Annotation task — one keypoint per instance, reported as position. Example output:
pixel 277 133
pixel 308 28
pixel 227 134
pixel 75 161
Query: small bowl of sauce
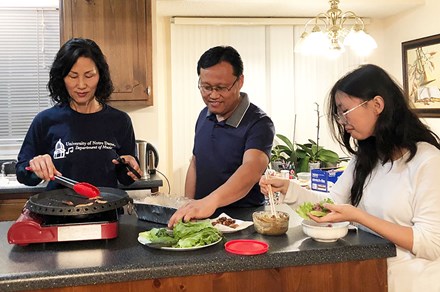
pixel 268 224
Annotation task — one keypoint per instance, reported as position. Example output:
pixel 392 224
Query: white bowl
pixel 325 232
pixel 304 176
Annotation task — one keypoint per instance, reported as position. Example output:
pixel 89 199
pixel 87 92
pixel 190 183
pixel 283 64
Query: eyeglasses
pixel 342 117
pixel 207 89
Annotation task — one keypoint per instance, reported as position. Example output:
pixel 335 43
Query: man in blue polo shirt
pixel 232 143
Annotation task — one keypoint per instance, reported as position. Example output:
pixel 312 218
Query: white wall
pixel 418 23
pixel 154 123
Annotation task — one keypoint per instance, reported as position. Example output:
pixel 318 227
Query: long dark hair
pixel 397 127
pixel 63 63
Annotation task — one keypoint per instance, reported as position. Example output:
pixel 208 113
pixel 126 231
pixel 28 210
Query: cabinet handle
pixel 148 90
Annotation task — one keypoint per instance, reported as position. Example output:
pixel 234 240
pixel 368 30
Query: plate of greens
pixel 184 236
pixel 152 245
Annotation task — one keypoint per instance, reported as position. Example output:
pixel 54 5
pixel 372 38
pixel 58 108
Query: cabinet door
pixel 122 29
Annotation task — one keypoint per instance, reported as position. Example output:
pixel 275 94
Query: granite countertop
pixel 49 265
pixel 16 188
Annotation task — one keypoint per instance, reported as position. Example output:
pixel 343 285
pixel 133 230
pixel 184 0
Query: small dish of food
pixel 268 224
pixel 325 232
pixel 227 224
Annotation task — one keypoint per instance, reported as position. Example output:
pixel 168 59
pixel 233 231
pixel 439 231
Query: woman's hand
pixel 339 213
pixel 279 184
pixel 130 160
pixel 43 167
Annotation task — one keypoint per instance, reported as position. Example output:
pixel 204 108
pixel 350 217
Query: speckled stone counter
pixel 19 191
pixel 124 259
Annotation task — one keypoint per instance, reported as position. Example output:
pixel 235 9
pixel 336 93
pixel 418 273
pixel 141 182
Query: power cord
pixel 168 182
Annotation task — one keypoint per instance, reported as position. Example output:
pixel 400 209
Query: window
pixel 29 40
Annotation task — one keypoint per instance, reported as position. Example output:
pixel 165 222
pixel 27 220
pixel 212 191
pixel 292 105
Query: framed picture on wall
pixel 421 74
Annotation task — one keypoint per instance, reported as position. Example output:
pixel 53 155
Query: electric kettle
pixel 148 158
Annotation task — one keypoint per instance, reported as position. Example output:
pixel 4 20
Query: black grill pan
pixel 52 202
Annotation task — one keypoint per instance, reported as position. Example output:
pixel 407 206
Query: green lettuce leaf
pixel 316 209
pixel 183 229
pixel 203 237
pixel 159 236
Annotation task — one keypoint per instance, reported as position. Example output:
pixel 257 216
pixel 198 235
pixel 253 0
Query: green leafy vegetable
pixel 184 235
pixel 159 236
pixel 316 209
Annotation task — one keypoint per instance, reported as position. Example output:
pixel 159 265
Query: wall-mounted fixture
pixel 329 33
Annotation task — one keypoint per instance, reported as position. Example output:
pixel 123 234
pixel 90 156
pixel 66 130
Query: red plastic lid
pixel 246 246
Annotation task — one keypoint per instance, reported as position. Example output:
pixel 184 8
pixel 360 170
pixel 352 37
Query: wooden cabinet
pixel 368 275
pixel 123 31
pixel 10 209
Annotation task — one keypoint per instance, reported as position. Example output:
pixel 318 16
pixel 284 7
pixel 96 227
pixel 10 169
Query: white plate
pixel 226 229
pixel 147 243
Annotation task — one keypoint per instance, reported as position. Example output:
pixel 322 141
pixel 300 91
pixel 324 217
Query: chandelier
pixel 329 33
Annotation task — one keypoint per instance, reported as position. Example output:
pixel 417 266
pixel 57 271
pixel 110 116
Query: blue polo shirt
pixel 219 147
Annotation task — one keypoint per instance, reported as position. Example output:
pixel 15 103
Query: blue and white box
pixel 323 179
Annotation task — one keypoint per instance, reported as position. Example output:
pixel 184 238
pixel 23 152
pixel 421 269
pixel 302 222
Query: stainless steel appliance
pixel 148 158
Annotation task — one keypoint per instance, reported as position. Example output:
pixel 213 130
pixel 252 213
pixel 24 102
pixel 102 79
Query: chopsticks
pixel 271 197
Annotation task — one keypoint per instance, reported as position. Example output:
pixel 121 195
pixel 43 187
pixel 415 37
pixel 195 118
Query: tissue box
pixel 323 179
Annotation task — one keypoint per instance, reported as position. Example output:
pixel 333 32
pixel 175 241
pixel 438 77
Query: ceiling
pixel 281 8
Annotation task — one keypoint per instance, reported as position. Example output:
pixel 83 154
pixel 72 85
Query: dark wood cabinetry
pixel 123 31
pixel 10 209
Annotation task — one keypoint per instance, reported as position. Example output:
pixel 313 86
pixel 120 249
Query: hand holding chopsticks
pixel 271 198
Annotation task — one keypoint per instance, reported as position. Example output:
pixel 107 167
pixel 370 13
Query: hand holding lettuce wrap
pixel 316 209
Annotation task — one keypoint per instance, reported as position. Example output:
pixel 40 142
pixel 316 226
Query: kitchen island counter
pixel 357 260
pixel 16 190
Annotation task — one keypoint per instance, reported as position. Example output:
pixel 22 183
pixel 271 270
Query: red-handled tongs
pixel 82 188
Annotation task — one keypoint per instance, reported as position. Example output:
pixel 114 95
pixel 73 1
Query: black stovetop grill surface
pixel 95 218
pixel 66 202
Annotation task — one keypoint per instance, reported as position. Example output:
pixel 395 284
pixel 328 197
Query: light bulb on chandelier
pixel 332 32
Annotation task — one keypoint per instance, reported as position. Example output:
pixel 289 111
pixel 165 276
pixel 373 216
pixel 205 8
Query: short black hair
pixel 218 54
pixel 64 61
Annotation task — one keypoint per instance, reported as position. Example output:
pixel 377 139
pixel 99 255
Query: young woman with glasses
pixel 391 185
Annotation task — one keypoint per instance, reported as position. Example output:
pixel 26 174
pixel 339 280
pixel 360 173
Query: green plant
pixel 299 155
pixel 284 152
pixel 311 152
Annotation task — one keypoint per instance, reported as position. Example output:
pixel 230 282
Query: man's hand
pixel 195 209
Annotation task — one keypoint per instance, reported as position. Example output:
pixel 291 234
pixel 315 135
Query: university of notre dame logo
pixel 60 150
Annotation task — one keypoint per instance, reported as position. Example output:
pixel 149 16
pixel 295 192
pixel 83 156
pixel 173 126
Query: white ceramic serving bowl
pixel 325 232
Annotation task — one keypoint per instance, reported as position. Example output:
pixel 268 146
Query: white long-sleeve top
pixel 405 193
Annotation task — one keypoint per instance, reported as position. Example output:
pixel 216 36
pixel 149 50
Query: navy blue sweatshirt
pixel 82 146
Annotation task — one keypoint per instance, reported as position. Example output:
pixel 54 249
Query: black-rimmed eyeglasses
pixel 207 89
